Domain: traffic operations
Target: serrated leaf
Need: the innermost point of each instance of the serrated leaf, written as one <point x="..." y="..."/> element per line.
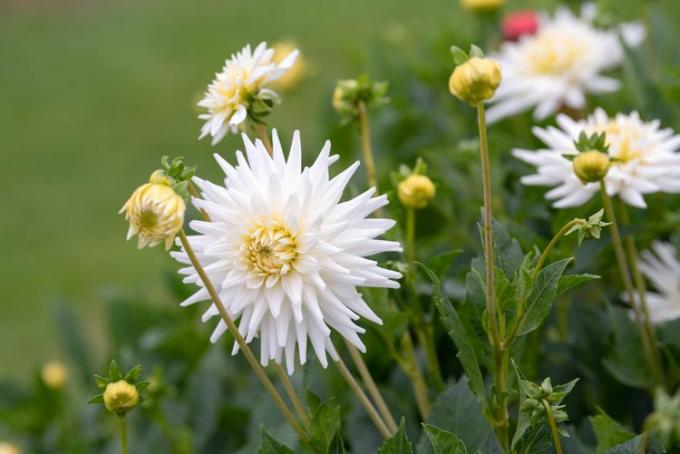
<point x="569" y="281"/>
<point x="444" y="442"/>
<point x="543" y="295"/>
<point x="269" y="445"/>
<point x="397" y="443"/>
<point x="325" y="425"/>
<point x="456" y="329"/>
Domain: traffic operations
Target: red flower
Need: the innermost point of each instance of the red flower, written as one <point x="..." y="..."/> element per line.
<point x="518" y="24"/>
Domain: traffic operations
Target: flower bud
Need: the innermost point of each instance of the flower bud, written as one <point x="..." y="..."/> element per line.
<point x="120" y="397"/>
<point x="9" y="448"/>
<point x="482" y="5"/>
<point x="155" y="212"/>
<point x="591" y="166"/>
<point x="415" y="191"/>
<point x="54" y="375"/>
<point x="476" y="80"/>
<point x="292" y="77"/>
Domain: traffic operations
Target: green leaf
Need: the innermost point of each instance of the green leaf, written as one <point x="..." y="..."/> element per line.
<point x="134" y="374"/>
<point x="454" y="326"/>
<point x="101" y="381"/>
<point x="270" y="446"/>
<point x="325" y="425"/>
<point x="626" y="354"/>
<point x="98" y="399"/>
<point x="541" y="298"/>
<point x="608" y="432"/>
<point x="440" y="263"/>
<point x="397" y="444"/>
<point x="569" y="281"/>
<point x="637" y="445"/>
<point x="114" y="371"/>
<point x="444" y="442"/>
<point x="459" y="55"/>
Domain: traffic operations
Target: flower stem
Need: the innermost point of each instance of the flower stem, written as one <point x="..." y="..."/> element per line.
<point x="366" y="147"/>
<point x="261" y="131"/>
<point x="294" y="398"/>
<point x="372" y="387"/>
<point x="409" y="364"/>
<point x="122" y="426"/>
<point x="641" y="288"/>
<point x="247" y="352"/>
<point x="558" y="236"/>
<point x="500" y="351"/>
<point x="553" y="426"/>
<point x="363" y="399"/>
<point x="647" y="344"/>
<point x="410" y="240"/>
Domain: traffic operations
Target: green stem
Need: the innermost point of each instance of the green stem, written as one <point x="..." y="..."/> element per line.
<point x="363" y="399"/>
<point x="366" y="147"/>
<point x="247" y="352"/>
<point x="553" y="242"/>
<point x="261" y="131"/>
<point x="628" y="285"/>
<point x="501" y="352"/>
<point x="293" y="396"/>
<point x="372" y="387"/>
<point x="553" y="426"/>
<point x="410" y="240"/>
<point x="122" y="426"/>
<point x="410" y="366"/>
<point x="632" y="252"/>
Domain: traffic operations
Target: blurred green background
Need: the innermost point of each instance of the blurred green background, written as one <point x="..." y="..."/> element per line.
<point x="92" y="93"/>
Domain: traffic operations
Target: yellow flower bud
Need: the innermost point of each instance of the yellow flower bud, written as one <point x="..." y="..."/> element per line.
<point x="294" y="75"/>
<point x="9" y="448"/>
<point x="155" y="212"/>
<point x="475" y="80"/>
<point x="591" y="166"/>
<point x="415" y="191"/>
<point x="120" y="397"/>
<point x="54" y="375"/>
<point x="482" y="5"/>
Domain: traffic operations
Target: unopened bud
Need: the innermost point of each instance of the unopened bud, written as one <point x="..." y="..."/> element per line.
<point x="120" y="397"/>
<point x="476" y="80"/>
<point x="482" y="5"/>
<point x="54" y="375"/>
<point x="591" y="166"/>
<point x="415" y="191"/>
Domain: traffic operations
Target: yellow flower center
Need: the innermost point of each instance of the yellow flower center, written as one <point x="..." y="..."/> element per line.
<point x="270" y="249"/>
<point x="552" y="53"/>
<point x="624" y="138"/>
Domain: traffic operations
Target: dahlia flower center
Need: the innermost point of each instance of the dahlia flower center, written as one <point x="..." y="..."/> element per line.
<point x="270" y="249"/>
<point x="624" y="138"/>
<point x="554" y="53"/>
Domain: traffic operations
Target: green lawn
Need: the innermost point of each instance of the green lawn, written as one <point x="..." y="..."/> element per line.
<point x="93" y="93"/>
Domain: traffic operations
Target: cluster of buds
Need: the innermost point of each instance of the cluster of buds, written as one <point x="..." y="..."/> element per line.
<point x="156" y="209"/>
<point x="538" y="397"/>
<point x="414" y="188"/>
<point x="589" y="228"/>
<point x="664" y="422"/>
<point x="482" y="5"/>
<point x="119" y="393"/>
<point x="475" y="78"/>
<point x="592" y="163"/>
<point x="351" y="94"/>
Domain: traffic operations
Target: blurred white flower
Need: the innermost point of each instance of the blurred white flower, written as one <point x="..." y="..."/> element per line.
<point x="285" y="254"/>
<point x="644" y="159"/>
<point x="559" y="64"/>
<point x="662" y="268"/>
<point x="241" y="83"/>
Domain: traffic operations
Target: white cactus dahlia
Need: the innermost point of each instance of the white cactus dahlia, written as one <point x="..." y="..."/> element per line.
<point x="662" y="268"/>
<point x="241" y="82"/>
<point x="645" y="159"/>
<point x="285" y="255"/>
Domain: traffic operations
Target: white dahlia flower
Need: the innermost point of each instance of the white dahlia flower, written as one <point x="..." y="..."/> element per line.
<point x="559" y="64"/>
<point x="662" y="269"/>
<point x="644" y="159"/>
<point x="241" y="83"/>
<point x="285" y="255"/>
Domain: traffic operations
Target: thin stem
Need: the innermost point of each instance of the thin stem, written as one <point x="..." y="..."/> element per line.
<point x="410" y="366"/>
<point x="293" y="396"/>
<point x="553" y="242"/>
<point x="628" y="285"/>
<point x="553" y="426"/>
<point x="247" y="352"/>
<point x="488" y="232"/>
<point x="122" y="426"/>
<point x="372" y="387"/>
<point x="366" y="147"/>
<point x="368" y="406"/>
<point x="502" y="417"/>
<point x="632" y="252"/>
<point x="261" y="131"/>
<point x="410" y="240"/>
